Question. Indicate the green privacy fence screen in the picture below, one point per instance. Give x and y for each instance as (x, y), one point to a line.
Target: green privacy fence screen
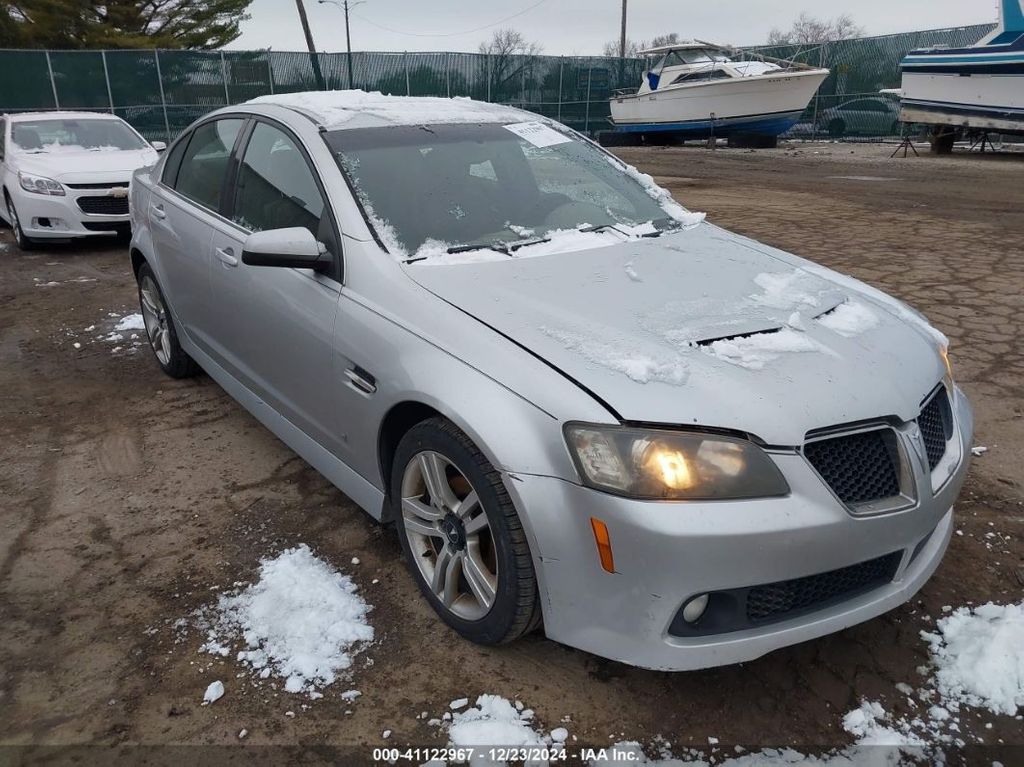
(161, 92)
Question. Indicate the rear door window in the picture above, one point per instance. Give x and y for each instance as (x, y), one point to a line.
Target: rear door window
(205, 161)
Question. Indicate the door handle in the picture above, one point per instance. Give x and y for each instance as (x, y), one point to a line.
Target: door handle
(227, 256)
(361, 380)
(157, 210)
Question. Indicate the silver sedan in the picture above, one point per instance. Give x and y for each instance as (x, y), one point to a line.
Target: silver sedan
(580, 405)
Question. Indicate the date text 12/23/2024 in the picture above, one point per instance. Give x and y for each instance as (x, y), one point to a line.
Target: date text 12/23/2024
(622, 754)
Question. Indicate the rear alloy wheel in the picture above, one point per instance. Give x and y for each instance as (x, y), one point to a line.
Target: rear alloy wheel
(163, 338)
(461, 535)
(24, 242)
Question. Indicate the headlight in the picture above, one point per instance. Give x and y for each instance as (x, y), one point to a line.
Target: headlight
(40, 185)
(674, 465)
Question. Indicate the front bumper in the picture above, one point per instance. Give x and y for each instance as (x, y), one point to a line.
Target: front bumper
(667, 552)
(50, 217)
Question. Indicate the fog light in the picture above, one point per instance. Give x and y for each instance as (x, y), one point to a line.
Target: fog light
(695, 608)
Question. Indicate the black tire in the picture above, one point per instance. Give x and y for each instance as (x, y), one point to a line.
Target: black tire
(516, 607)
(24, 242)
(178, 364)
(837, 128)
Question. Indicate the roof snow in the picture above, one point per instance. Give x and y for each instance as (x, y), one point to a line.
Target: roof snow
(360, 109)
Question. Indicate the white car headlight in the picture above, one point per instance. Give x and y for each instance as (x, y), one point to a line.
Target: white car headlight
(40, 185)
(672, 465)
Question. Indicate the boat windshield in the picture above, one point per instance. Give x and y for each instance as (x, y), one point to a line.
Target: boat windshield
(683, 57)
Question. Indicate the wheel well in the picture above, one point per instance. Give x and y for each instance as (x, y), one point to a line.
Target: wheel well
(137, 261)
(396, 423)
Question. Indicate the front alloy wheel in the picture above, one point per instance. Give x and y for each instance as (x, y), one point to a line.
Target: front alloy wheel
(447, 528)
(461, 535)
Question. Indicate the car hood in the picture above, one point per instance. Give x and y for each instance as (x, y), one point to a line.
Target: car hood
(706, 327)
(71, 166)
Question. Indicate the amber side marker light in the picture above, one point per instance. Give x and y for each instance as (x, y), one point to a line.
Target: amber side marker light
(604, 544)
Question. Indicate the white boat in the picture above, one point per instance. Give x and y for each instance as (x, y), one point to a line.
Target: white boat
(978, 88)
(696, 89)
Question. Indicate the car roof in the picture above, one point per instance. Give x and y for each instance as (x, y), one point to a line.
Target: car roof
(346, 110)
(58, 115)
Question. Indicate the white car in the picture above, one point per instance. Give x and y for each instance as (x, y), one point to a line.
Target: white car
(66, 174)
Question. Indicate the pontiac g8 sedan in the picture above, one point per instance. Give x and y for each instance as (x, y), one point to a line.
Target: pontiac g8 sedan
(581, 406)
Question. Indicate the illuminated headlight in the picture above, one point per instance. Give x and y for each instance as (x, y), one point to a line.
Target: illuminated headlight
(40, 185)
(672, 465)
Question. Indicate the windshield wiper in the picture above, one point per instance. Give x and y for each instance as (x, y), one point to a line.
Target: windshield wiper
(601, 228)
(500, 246)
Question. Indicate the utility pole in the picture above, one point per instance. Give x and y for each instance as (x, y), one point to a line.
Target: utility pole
(622, 36)
(344, 6)
(313, 58)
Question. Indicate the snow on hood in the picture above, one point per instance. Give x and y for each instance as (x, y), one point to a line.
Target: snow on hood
(70, 165)
(704, 327)
(362, 109)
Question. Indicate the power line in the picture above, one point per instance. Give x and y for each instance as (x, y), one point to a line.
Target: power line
(450, 34)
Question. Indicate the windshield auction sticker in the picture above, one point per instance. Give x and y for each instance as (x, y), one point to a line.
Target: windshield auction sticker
(538, 133)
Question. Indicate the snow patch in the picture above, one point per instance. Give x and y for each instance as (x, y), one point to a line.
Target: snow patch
(849, 319)
(213, 693)
(334, 109)
(302, 621)
(868, 724)
(493, 720)
(660, 366)
(978, 450)
(131, 322)
(662, 196)
(755, 351)
(979, 656)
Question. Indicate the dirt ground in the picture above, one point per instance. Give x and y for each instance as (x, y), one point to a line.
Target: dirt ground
(127, 500)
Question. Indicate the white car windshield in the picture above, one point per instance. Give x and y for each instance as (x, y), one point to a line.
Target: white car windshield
(457, 187)
(67, 135)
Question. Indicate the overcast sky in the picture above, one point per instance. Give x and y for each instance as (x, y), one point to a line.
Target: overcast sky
(578, 26)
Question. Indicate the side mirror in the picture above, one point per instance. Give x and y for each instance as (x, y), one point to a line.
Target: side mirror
(158, 145)
(295, 247)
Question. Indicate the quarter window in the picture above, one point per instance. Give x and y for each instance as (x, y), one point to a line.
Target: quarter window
(205, 161)
(276, 188)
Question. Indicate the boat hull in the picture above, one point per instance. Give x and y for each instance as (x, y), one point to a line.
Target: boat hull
(989, 102)
(759, 105)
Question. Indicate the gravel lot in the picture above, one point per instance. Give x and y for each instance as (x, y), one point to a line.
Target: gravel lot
(127, 500)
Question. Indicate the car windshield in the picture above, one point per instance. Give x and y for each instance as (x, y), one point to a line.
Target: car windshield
(94, 135)
(457, 187)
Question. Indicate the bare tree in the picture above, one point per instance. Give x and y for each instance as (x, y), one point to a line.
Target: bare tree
(510, 62)
(633, 47)
(809, 29)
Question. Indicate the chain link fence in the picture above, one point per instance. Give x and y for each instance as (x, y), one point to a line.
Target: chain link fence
(161, 92)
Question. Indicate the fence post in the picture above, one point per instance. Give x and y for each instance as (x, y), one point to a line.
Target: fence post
(270, 75)
(814, 120)
(106, 76)
(224, 74)
(487, 68)
(448, 74)
(53, 83)
(590, 77)
(163, 98)
(561, 61)
(405, 64)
